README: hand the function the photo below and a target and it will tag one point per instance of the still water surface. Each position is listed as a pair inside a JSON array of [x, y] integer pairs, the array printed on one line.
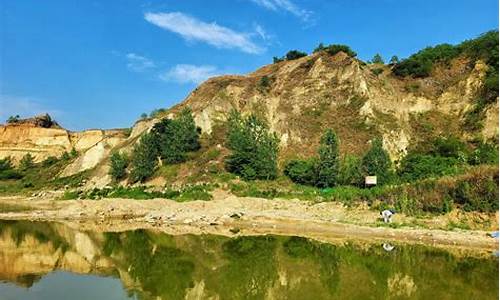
[[54, 261]]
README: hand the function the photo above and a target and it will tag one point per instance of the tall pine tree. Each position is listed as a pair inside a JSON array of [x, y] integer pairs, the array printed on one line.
[[328, 163]]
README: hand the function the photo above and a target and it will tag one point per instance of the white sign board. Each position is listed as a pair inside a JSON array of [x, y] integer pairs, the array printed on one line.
[[371, 180]]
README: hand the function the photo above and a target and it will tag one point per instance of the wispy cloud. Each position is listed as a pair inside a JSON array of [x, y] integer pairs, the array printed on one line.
[[11, 105], [261, 32], [184, 73], [287, 6], [192, 29], [138, 63]]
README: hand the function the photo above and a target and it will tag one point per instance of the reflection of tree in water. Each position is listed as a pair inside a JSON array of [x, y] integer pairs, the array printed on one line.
[[249, 269], [326, 255], [160, 269]]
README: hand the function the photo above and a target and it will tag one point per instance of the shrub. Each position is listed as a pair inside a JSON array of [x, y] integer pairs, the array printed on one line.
[[27, 162], [156, 112], [420, 166], [175, 138], [328, 162], [377, 162], [484, 47], [69, 195], [10, 174], [294, 54], [118, 165], [350, 172], [73, 153], [394, 60], [485, 153], [377, 71], [301, 171], [254, 149], [449, 147], [13, 119], [264, 83], [377, 59], [420, 64], [478, 192], [335, 48], [144, 158], [49, 161], [6, 163], [65, 156], [7, 169], [277, 59]]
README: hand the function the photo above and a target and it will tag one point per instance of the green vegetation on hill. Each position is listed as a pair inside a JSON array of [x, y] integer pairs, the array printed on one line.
[[254, 149], [169, 140], [335, 48], [484, 47], [41, 175]]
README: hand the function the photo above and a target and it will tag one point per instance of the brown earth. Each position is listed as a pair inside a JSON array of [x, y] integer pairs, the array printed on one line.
[[231, 215]]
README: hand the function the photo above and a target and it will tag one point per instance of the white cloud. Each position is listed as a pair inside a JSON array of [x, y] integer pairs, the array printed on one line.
[[138, 63], [25, 107], [184, 73], [261, 32], [286, 5], [192, 29]]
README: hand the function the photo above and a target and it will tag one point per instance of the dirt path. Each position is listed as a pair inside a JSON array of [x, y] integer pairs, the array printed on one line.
[[230, 215]]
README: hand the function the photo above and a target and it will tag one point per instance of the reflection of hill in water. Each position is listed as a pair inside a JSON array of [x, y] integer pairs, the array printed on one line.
[[174, 267]]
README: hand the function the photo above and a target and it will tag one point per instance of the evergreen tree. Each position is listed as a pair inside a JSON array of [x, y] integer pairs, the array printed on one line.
[[118, 165], [328, 163], [26, 162], [377, 162], [377, 59], [144, 158], [254, 149], [394, 60], [350, 172], [174, 138]]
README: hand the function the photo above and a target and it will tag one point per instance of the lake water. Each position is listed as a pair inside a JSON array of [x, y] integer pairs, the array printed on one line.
[[54, 261]]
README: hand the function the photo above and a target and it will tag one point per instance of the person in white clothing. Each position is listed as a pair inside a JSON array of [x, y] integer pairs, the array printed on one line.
[[387, 215]]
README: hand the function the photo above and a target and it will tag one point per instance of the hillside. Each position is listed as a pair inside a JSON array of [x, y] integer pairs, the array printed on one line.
[[299, 99]]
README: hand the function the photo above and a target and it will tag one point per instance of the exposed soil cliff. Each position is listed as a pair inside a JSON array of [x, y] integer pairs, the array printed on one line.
[[299, 99]]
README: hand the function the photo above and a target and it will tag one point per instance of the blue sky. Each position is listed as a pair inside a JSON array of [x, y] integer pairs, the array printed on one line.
[[100, 64]]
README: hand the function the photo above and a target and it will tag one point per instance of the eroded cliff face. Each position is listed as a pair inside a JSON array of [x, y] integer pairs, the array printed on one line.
[[303, 97], [299, 99], [18, 139]]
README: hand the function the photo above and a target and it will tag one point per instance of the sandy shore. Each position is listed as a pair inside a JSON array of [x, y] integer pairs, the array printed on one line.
[[230, 215]]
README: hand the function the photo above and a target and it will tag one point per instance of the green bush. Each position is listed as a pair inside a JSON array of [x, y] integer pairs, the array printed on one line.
[[49, 161], [485, 153], [450, 147], [7, 170], [254, 149], [377, 71], [10, 174], [328, 162], [484, 47], [175, 138], [6, 164], [377, 59], [421, 166], [302, 171], [27, 162], [478, 192], [350, 172], [335, 48], [294, 54], [118, 165], [13, 119], [144, 158], [377, 162]]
